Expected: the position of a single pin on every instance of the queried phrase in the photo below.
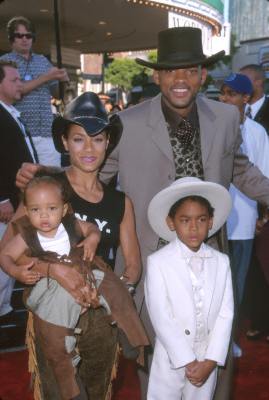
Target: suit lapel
(179, 275)
(17, 131)
(7, 115)
(179, 280)
(160, 135)
(208, 128)
(210, 278)
(263, 111)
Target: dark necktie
(248, 112)
(185, 132)
(28, 134)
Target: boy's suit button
(187, 332)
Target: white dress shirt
(195, 262)
(255, 107)
(242, 219)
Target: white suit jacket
(169, 299)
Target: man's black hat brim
(180, 62)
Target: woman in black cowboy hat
(87, 134)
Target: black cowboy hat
(87, 111)
(180, 48)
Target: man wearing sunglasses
(39, 79)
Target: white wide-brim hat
(160, 205)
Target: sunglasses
(18, 35)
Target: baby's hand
(201, 371)
(89, 245)
(26, 275)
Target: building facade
(250, 28)
(208, 15)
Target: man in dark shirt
(258, 296)
(16, 148)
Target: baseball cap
(239, 83)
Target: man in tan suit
(177, 133)
(155, 150)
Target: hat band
(89, 117)
(181, 57)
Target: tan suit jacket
(144, 160)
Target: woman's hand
(91, 293)
(260, 224)
(72, 281)
(129, 245)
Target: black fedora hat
(180, 48)
(87, 111)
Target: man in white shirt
(236, 90)
(16, 147)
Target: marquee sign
(208, 11)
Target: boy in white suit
(188, 290)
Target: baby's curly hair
(50, 178)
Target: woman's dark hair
(197, 199)
(50, 178)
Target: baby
(50, 232)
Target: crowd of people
(184, 165)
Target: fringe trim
(114, 372)
(32, 359)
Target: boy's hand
(90, 244)
(26, 274)
(189, 368)
(200, 372)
